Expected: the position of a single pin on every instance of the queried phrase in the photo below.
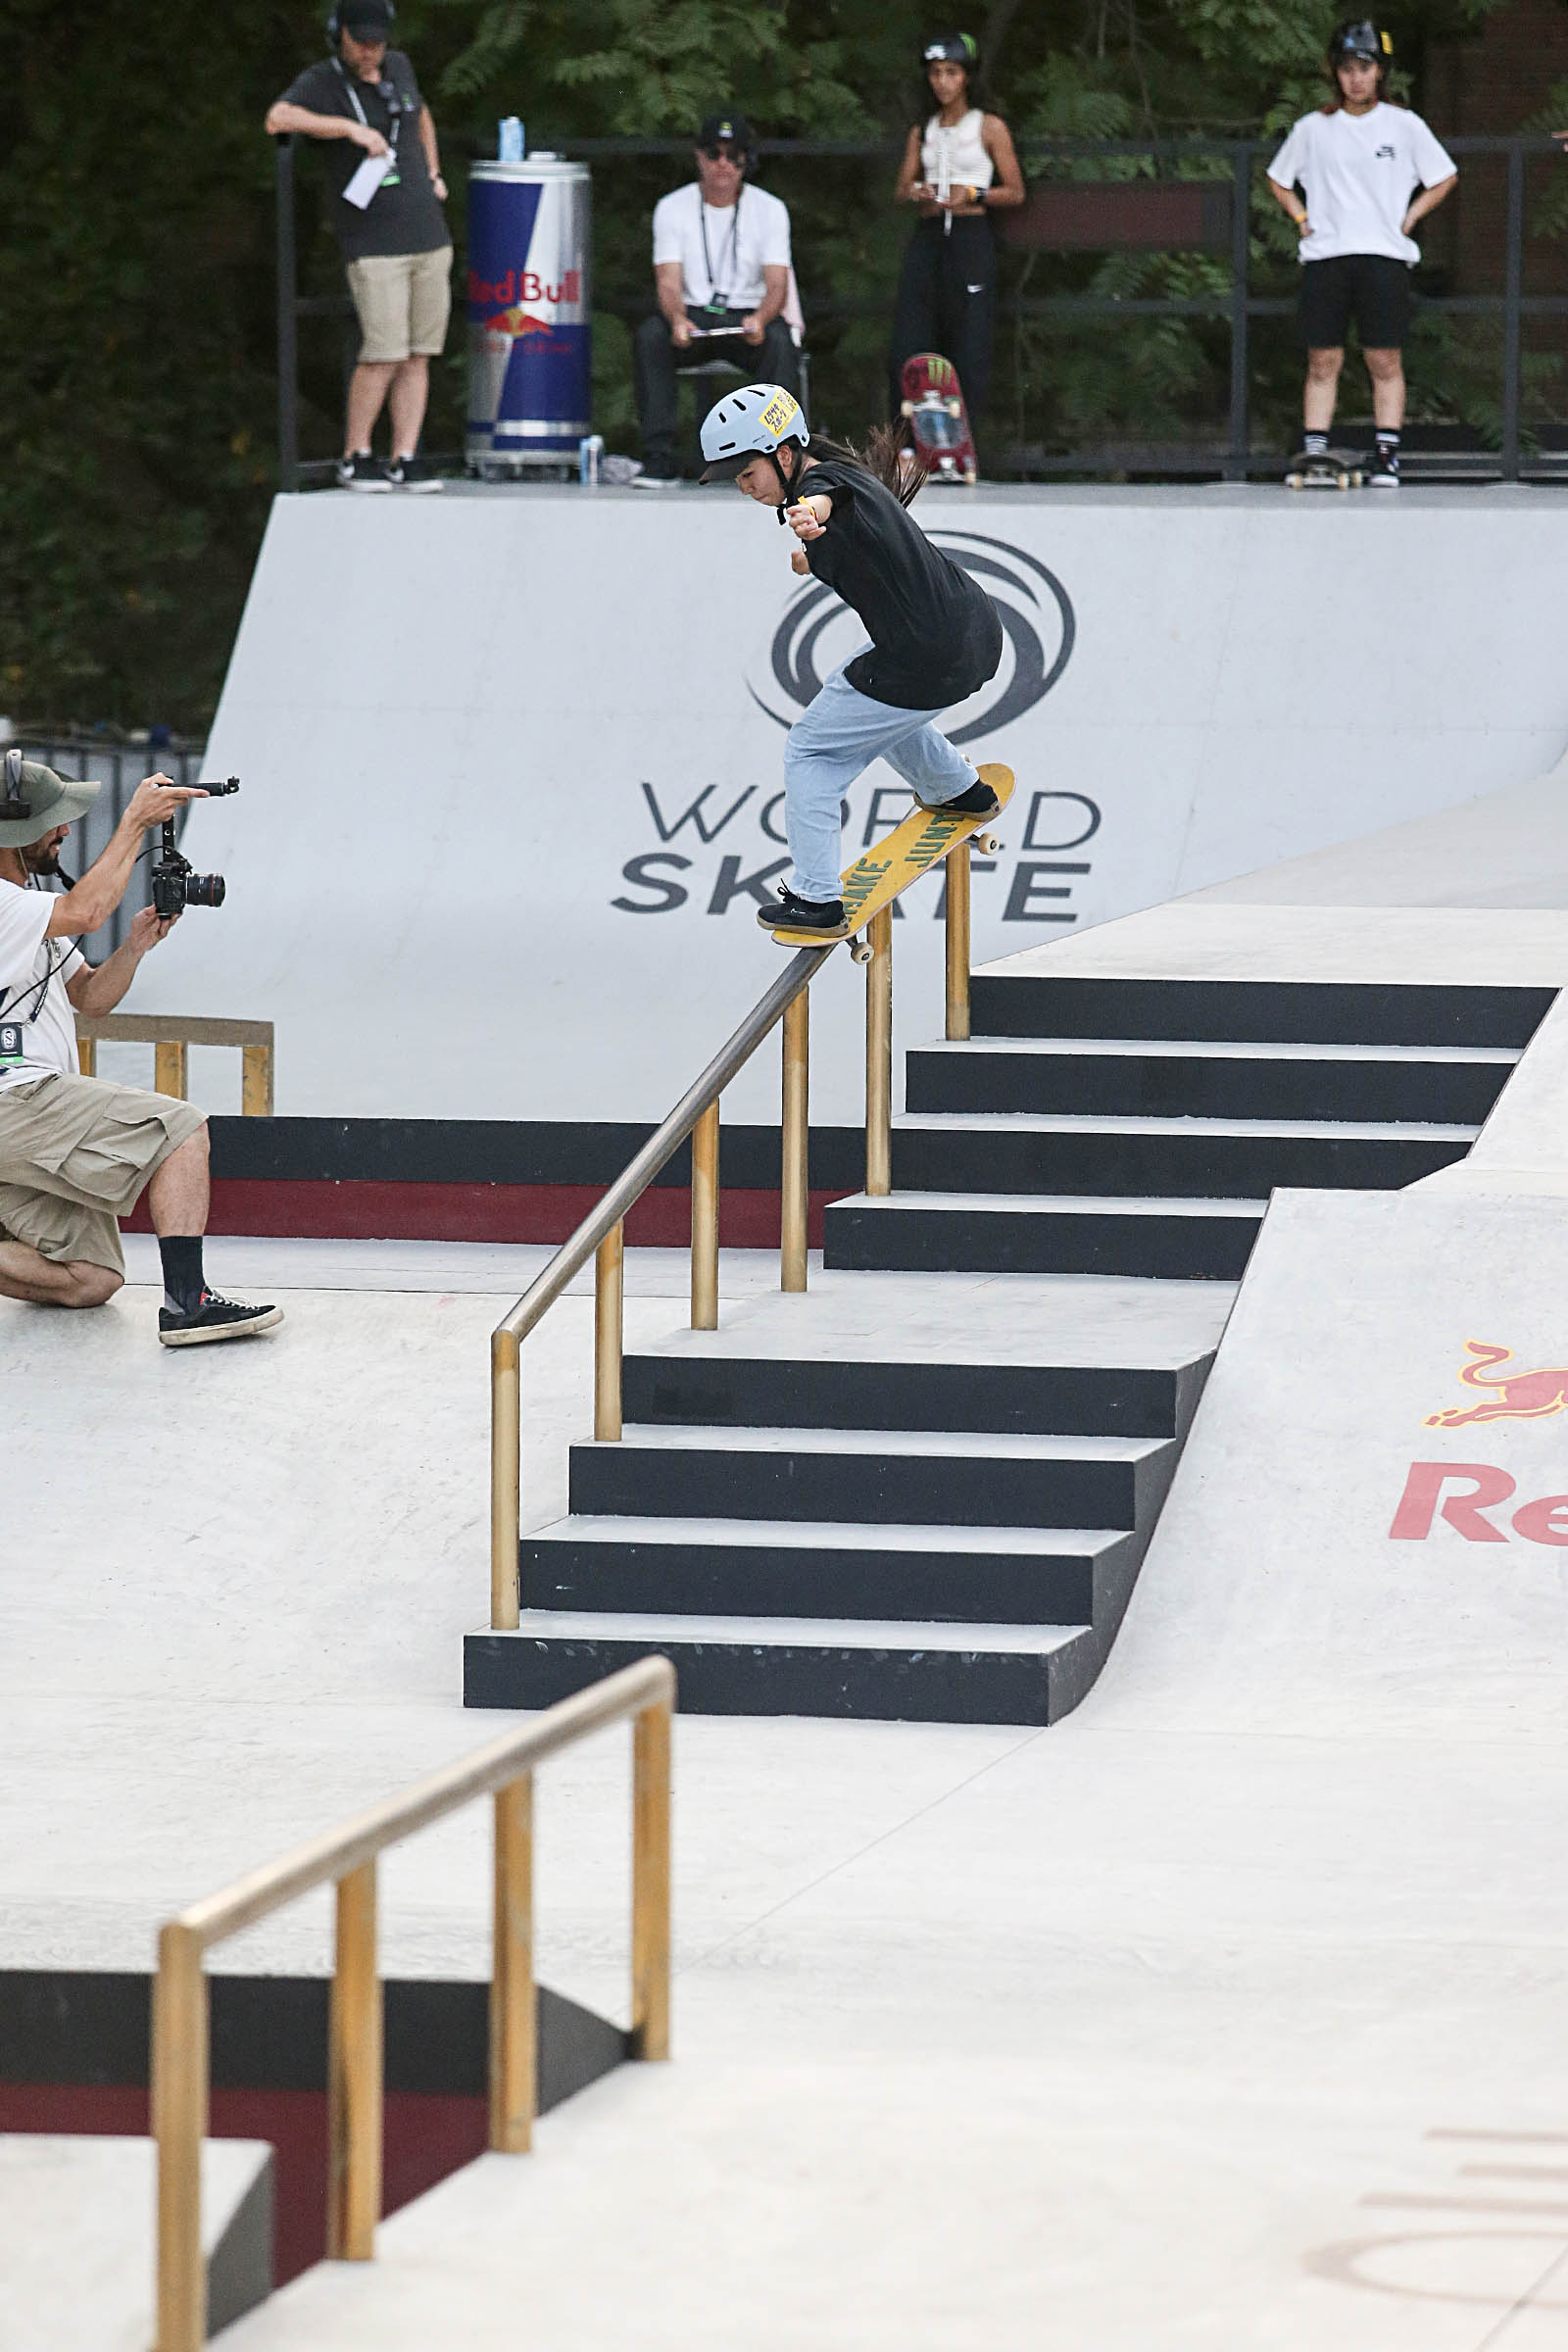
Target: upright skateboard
(921, 841)
(1325, 469)
(939, 422)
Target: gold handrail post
(180, 2125)
(704, 1221)
(610, 1283)
(958, 939)
(651, 1873)
(256, 1082)
(353, 2075)
(506, 1478)
(879, 1056)
(168, 1068)
(513, 2054)
(794, 1179)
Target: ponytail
(883, 458)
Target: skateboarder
(1370, 172)
(935, 635)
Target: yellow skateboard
(921, 841)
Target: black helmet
(957, 49)
(1359, 36)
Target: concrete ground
(1225, 2014)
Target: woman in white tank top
(958, 166)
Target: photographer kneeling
(77, 1152)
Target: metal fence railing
(119, 769)
(1257, 291)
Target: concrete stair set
(920, 1497)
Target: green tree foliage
(137, 273)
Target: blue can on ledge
(531, 367)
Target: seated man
(75, 1153)
(721, 270)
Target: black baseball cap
(730, 131)
(367, 20)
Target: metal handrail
(347, 1856)
(600, 1232)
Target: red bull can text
(529, 357)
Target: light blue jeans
(834, 739)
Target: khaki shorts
(74, 1155)
(403, 301)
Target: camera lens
(203, 890)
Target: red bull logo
(517, 324)
(517, 288)
(1518, 1395)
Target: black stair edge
(1107, 1165)
(915, 1241)
(709, 1577)
(818, 1681)
(1350, 1012)
(1129, 1086)
(869, 1490)
(838, 1393)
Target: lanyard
(734, 269)
(394, 113)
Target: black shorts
(1372, 288)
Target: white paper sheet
(368, 178)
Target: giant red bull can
(529, 359)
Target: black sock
(183, 1279)
(1314, 445)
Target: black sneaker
(361, 472)
(1384, 472)
(659, 474)
(416, 475)
(214, 1318)
(978, 800)
(826, 916)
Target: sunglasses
(725, 155)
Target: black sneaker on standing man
(379, 147)
(1370, 172)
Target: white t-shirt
(1360, 172)
(748, 234)
(33, 971)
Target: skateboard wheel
(861, 950)
(987, 844)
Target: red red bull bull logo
(516, 289)
(1515, 1395)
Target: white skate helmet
(755, 422)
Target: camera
(174, 880)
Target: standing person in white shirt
(1370, 172)
(722, 271)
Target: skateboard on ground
(919, 842)
(1328, 470)
(939, 422)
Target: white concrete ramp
(76, 2238)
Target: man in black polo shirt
(384, 170)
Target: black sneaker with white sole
(213, 1318)
(793, 914)
(416, 475)
(978, 800)
(361, 472)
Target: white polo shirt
(1360, 172)
(33, 971)
(750, 234)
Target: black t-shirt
(935, 635)
(403, 216)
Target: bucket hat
(51, 800)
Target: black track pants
(774, 361)
(947, 301)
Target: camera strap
(391, 98)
